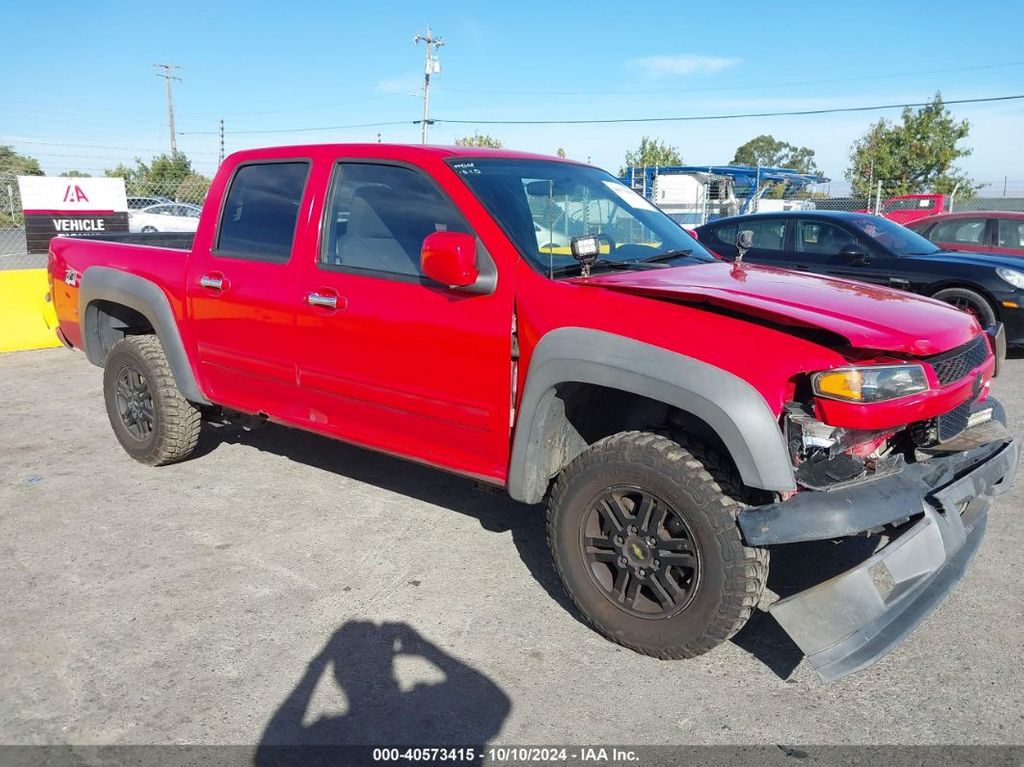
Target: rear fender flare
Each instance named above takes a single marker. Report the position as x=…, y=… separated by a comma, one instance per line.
x=101, y=283
x=736, y=411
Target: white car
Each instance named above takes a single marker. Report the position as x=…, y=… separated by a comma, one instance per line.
x=167, y=217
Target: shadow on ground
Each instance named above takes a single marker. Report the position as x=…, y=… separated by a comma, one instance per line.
x=793, y=568
x=465, y=708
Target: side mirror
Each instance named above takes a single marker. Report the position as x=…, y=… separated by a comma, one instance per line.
x=744, y=242
x=450, y=259
x=856, y=254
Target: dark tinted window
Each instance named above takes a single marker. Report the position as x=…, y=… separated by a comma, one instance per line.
x=261, y=210
x=966, y=230
x=769, y=234
x=821, y=238
x=379, y=216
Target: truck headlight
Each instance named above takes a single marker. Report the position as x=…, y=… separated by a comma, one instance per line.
x=872, y=383
x=1011, y=276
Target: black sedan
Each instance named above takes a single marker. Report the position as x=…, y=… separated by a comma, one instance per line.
x=872, y=249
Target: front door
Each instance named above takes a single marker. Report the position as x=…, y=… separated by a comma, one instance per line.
x=827, y=248
x=387, y=358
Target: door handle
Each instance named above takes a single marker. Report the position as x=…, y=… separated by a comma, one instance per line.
x=214, y=283
x=318, y=299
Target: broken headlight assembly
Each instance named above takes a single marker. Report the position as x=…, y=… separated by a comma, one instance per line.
x=870, y=383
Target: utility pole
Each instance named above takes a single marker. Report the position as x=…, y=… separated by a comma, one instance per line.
x=167, y=72
x=432, y=66
x=219, y=161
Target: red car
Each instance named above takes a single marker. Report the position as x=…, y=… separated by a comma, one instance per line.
x=679, y=415
x=1000, y=233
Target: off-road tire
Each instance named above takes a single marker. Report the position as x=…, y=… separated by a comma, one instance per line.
x=971, y=302
x=704, y=489
x=175, y=421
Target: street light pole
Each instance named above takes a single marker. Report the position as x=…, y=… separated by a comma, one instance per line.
x=431, y=66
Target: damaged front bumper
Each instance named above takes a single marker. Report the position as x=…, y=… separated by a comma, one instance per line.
x=850, y=621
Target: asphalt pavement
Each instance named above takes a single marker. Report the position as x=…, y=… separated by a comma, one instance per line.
x=280, y=588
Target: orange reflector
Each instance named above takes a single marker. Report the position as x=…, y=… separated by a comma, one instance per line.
x=1011, y=305
x=845, y=384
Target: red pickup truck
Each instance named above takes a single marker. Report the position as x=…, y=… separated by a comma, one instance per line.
x=911, y=207
x=680, y=415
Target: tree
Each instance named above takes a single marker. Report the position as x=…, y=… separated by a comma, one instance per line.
x=652, y=152
x=165, y=176
x=916, y=154
x=560, y=152
x=75, y=174
x=480, y=139
x=193, y=189
x=768, y=151
x=14, y=164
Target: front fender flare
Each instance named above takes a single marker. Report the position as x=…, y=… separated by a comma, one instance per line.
x=101, y=283
x=736, y=411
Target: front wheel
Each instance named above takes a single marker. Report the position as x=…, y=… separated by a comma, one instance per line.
x=148, y=229
x=643, y=534
x=968, y=301
x=151, y=419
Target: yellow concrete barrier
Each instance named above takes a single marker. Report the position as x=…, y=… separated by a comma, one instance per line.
x=27, y=321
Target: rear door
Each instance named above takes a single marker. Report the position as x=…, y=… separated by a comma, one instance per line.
x=387, y=358
x=241, y=292
x=1009, y=236
x=973, y=234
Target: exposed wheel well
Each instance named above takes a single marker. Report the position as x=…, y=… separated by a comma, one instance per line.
x=107, y=322
x=576, y=415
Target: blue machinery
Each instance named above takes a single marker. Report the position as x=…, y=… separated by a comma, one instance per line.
x=749, y=182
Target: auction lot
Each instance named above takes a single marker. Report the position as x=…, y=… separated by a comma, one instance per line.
x=280, y=588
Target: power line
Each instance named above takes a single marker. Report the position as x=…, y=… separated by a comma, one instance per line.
x=606, y=121
x=693, y=118
x=717, y=88
x=302, y=130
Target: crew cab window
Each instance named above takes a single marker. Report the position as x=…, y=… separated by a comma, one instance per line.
x=966, y=230
x=769, y=234
x=821, y=238
x=261, y=210
x=379, y=215
x=1011, y=233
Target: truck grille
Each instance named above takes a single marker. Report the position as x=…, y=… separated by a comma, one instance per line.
x=951, y=424
x=953, y=365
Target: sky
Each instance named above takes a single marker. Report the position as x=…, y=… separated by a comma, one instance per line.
x=80, y=91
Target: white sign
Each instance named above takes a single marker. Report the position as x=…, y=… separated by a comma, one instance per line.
x=86, y=196
x=71, y=206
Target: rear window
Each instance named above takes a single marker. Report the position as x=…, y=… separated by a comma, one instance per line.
x=261, y=210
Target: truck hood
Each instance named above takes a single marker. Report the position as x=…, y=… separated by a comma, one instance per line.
x=868, y=316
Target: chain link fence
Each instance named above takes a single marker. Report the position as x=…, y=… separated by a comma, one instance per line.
x=184, y=197
x=691, y=201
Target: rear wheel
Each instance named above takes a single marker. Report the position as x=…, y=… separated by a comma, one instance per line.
x=643, y=534
x=153, y=422
x=148, y=229
x=968, y=301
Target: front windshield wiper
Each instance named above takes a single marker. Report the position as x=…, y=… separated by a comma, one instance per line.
x=668, y=255
x=648, y=262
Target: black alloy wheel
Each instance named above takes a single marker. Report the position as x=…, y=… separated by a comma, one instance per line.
x=641, y=552
x=134, y=399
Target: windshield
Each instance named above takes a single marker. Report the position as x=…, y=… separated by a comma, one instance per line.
x=542, y=205
x=894, y=237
